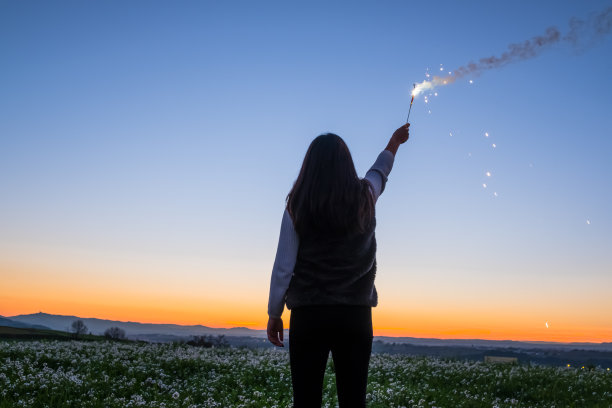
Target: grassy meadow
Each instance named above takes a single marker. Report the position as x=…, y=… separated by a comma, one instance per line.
x=50, y=373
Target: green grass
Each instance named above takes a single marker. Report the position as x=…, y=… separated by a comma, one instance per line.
x=110, y=374
x=7, y=332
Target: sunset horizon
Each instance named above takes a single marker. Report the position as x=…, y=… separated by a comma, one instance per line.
x=417, y=333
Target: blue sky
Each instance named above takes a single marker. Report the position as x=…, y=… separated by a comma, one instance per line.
x=172, y=132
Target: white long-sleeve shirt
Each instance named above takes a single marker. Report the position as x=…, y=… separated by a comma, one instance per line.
x=289, y=242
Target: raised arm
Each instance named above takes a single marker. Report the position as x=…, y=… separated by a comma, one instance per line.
x=379, y=172
x=399, y=136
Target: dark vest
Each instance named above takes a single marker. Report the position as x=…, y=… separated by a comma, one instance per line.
x=335, y=271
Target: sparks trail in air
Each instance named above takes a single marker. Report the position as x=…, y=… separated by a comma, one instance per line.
x=581, y=34
x=488, y=179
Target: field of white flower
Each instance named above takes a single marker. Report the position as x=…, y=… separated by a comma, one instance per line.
x=111, y=374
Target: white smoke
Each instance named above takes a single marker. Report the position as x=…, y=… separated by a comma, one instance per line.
x=582, y=33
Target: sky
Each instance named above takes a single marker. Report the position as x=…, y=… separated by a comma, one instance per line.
x=146, y=150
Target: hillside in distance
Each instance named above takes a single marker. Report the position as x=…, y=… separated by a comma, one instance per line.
x=12, y=323
x=133, y=329
x=170, y=332
x=30, y=333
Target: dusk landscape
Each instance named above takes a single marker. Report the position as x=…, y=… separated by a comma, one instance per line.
x=147, y=150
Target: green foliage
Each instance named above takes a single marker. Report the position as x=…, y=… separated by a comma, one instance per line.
x=122, y=374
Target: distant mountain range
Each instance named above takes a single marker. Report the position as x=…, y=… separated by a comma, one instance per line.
x=134, y=330
x=496, y=343
x=13, y=323
x=170, y=332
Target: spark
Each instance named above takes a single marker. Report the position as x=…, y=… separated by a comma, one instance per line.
x=486, y=134
x=596, y=26
x=488, y=174
x=435, y=94
x=428, y=85
x=528, y=49
x=494, y=145
x=484, y=185
x=495, y=194
x=451, y=134
x=471, y=82
x=547, y=325
x=588, y=222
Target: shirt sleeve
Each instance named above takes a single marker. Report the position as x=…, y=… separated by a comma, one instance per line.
x=379, y=172
x=282, y=271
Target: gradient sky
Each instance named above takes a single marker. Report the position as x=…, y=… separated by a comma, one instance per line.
x=146, y=149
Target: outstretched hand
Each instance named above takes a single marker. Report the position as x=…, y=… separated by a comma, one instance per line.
x=399, y=136
x=275, y=331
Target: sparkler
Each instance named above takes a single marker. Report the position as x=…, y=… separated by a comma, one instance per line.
x=411, y=100
x=582, y=32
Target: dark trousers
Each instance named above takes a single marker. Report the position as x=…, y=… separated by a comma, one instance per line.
x=314, y=331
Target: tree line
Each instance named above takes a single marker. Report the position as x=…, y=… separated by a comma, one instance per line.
x=79, y=329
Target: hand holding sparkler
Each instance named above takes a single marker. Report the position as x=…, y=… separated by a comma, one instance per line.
x=399, y=136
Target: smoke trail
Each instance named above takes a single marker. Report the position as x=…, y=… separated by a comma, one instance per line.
x=597, y=26
x=581, y=34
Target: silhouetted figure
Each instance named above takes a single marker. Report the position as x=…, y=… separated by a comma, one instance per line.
x=325, y=267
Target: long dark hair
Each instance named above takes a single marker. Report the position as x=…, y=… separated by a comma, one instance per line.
x=328, y=197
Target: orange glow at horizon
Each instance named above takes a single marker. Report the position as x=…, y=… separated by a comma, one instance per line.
x=226, y=315
x=82, y=290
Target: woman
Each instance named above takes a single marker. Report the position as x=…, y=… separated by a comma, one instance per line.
x=325, y=267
